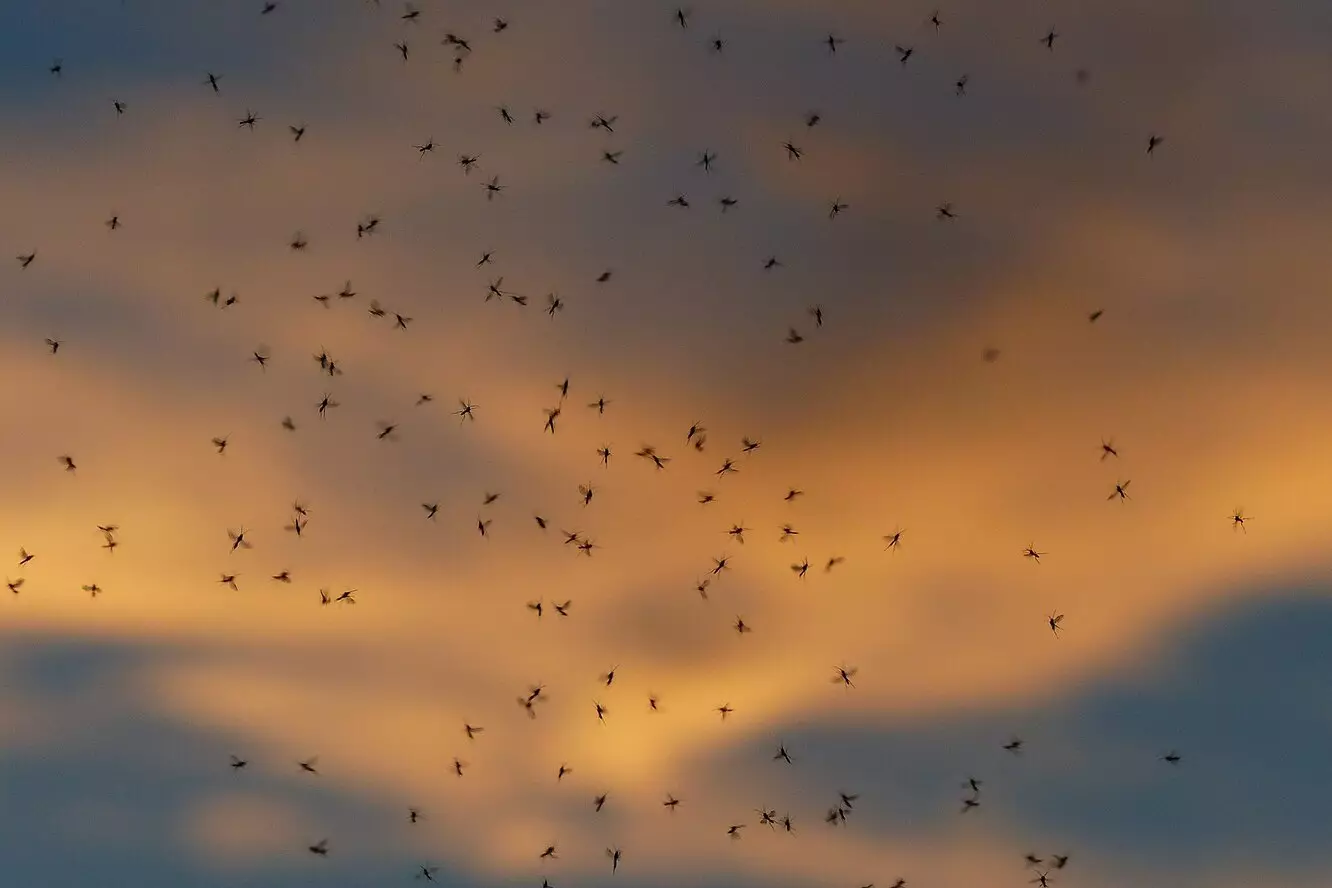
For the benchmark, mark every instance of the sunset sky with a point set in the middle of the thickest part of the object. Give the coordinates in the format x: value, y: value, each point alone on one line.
x: 1206, y: 371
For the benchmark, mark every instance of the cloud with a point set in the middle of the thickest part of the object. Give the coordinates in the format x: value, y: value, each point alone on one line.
x: 1204, y: 370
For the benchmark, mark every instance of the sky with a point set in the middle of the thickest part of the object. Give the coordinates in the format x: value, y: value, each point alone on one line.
x: 953, y: 391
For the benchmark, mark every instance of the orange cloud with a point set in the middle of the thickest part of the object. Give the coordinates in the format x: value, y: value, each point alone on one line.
x: 1205, y: 370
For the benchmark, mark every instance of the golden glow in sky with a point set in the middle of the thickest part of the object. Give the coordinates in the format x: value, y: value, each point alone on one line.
x: 875, y: 385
